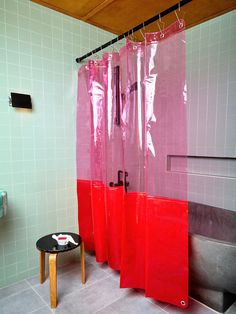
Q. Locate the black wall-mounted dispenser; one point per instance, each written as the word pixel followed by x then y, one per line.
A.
pixel 21 101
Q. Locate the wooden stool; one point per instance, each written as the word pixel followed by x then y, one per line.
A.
pixel 47 244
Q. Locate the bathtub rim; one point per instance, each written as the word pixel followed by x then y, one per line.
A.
pixel 197 235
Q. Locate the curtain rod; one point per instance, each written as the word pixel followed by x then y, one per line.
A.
pixel 136 28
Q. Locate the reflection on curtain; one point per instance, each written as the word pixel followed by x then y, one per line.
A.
pixel 131 122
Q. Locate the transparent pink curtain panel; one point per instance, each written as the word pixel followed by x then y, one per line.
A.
pixel 155 225
pixel 114 158
pixel 167 207
pixel 83 155
pixel 97 70
pixel 134 219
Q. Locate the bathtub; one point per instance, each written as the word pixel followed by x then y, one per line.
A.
pixel 212 255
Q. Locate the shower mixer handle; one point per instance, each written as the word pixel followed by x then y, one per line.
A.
pixel 120 182
pixel 126 182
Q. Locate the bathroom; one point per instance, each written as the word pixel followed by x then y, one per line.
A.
pixel 39 44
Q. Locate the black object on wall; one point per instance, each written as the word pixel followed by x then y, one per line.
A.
pixel 21 101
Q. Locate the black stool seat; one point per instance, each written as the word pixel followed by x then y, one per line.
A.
pixel 50 245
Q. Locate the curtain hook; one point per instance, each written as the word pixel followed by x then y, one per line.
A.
pixel 142 32
pixel 181 24
pixel 133 34
pixel 161 29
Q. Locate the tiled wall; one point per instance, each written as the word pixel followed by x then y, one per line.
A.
pixel 211 77
pixel 38 48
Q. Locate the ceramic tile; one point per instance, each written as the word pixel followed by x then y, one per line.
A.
pixel 43 310
pixel 68 282
pixel 21 303
pixel 13 289
pixel 132 303
pixel 92 298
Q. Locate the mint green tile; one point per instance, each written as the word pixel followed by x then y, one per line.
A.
pixel 3 57
pixel 22 267
pixel 3 70
pixel 12 57
pixel 24 9
pixel 24 35
pixel 21 233
pixel 12 44
pixel 11 6
pixel 2 29
pixel 11 18
pixel 24 22
pixel 22 255
pixel 10 259
pixel 35 13
pixel 25 46
pixel 10 270
pixel 34 270
pixel 12 31
pixel 25 59
pixel 2 15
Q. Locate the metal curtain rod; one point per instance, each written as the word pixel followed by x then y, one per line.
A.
pixel 136 28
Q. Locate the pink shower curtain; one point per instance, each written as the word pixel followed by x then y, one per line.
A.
pixel 131 148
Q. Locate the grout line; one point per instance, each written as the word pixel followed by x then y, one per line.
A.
pixel 14 294
pixel 34 311
pixel 108 304
pixel 40 298
pixel 162 308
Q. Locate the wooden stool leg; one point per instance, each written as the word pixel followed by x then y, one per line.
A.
pixel 53 279
pixel 42 267
pixel 82 261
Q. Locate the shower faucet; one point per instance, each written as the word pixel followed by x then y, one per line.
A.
pixel 120 182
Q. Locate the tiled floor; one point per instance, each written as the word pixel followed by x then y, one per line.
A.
pixel 101 294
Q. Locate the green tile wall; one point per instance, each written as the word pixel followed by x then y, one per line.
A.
pixel 38 48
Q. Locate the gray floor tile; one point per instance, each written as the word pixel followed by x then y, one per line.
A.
pixel 194 308
pixel 43 310
pixel 7 291
pixel 106 310
pixel 162 305
pixel 92 298
pixel 90 257
pixel 21 303
pixel 69 282
pixel 69 267
pixel 132 303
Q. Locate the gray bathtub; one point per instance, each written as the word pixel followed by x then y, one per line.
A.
pixel 212 255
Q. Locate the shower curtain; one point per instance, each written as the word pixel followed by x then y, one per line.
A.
pixel 131 163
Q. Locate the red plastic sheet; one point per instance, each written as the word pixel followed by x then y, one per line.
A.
pixel 167 251
pixel 99 220
pixel 85 213
pixel 115 211
pixel 133 242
